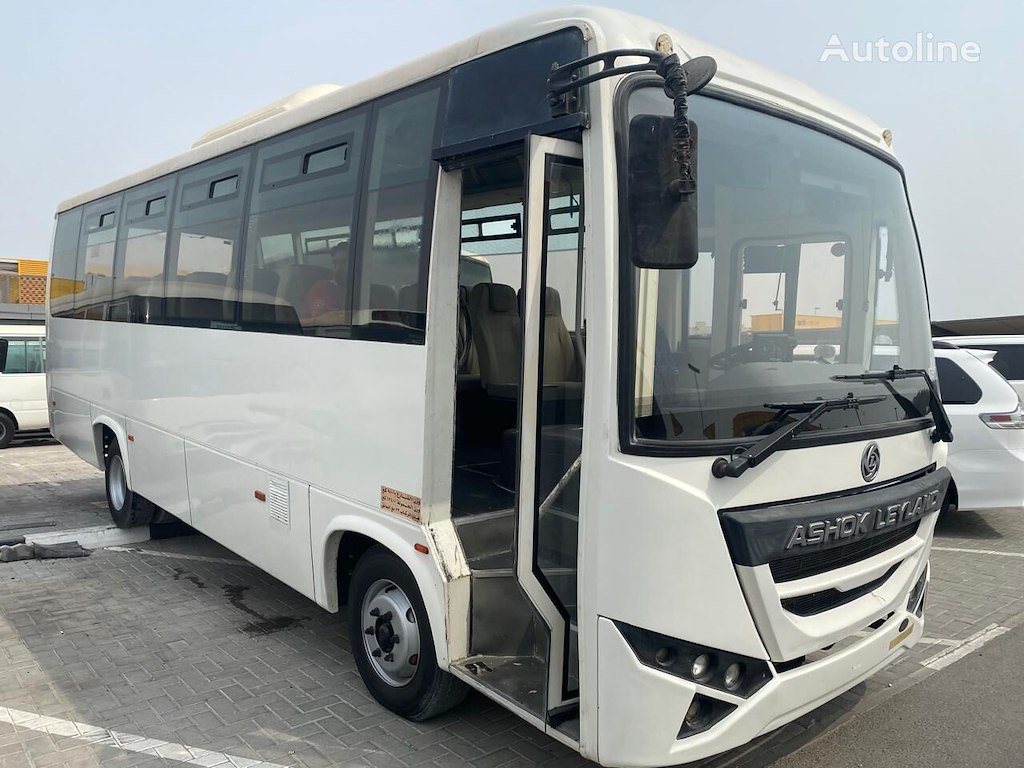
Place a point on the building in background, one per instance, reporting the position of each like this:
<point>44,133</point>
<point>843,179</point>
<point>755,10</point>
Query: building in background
<point>22,290</point>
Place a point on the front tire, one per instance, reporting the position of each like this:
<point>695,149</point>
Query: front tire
<point>6,430</point>
<point>127,508</point>
<point>392,642</point>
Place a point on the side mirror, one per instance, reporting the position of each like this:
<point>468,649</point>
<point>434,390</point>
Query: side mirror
<point>662,223</point>
<point>3,355</point>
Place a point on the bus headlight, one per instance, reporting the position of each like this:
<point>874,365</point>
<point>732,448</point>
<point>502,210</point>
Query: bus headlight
<point>724,671</point>
<point>701,666</point>
<point>733,676</point>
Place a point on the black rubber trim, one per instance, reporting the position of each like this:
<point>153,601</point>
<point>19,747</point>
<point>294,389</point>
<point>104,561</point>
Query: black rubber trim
<point>760,535</point>
<point>814,563</point>
<point>819,602</point>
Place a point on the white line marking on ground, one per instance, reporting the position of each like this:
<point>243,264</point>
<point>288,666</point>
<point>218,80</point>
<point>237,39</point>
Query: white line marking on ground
<point>938,641</point>
<point>968,646</point>
<point>176,556</point>
<point>979,551</point>
<point>94,734</point>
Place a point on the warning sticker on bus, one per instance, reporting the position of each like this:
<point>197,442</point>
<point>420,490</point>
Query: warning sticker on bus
<point>403,504</point>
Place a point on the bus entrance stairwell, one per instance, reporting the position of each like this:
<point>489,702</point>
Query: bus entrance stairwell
<point>519,424</point>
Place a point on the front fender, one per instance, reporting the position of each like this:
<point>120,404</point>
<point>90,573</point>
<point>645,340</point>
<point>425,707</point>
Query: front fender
<point>398,536</point>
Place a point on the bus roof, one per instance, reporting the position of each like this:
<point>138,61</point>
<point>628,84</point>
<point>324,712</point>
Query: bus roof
<point>611,29</point>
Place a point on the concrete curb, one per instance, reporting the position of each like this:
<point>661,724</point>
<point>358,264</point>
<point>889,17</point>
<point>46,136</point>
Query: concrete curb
<point>93,537</point>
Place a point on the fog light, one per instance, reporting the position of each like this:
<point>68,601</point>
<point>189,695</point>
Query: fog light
<point>665,656</point>
<point>695,714</point>
<point>703,713</point>
<point>733,676</point>
<point>701,666</point>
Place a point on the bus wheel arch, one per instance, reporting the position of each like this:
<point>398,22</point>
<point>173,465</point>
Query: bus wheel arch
<point>127,508</point>
<point>8,426</point>
<point>392,638</point>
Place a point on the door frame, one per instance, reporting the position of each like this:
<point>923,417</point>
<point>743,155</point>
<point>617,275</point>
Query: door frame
<point>538,150</point>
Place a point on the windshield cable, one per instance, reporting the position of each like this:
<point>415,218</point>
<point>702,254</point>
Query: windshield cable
<point>746,458</point>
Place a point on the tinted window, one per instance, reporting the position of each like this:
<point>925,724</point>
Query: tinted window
<point>26,356</point>
<point>391,296</point>
<point>1008,360</point>
<point>955,385</point>
<point>63,285</point>
<point>95,266</point>
<point>141,246</point>
<point>297,265</point>
<point>203,256</point>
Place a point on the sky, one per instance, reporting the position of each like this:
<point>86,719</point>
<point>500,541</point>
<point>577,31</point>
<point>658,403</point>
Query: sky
<point>94,91</point>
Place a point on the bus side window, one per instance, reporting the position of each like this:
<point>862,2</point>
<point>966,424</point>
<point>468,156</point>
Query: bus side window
<point>63,284</point>
<point>202,262</point>
<point>303,205</point>
<point>390,303</point>
<point>94,270</point>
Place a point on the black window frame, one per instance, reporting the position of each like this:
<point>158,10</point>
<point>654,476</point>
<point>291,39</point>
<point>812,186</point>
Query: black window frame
<point>629,442</point>
<point>181,197</point>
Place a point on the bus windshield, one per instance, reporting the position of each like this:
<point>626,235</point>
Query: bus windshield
<point>808,268</point>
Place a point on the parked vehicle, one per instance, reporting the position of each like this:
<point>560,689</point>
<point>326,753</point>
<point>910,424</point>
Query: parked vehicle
<point>1008,357</point>
<point>986,456</point>
<point>22,380</point>
<point>604,526</point>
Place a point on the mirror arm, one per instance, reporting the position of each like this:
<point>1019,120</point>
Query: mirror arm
<point>564,83</point>
<point>671,70</point>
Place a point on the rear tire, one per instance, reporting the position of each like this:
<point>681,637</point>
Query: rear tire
<point>401,673</point>
<point>127,509</point>
<point>6,430</point>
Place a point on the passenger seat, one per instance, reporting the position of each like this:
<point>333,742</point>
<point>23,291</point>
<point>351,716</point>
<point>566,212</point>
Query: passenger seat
<point>494,313</point>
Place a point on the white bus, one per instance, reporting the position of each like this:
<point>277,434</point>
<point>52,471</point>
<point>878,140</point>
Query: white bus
<point>22,380</point>
<point>457,347</point>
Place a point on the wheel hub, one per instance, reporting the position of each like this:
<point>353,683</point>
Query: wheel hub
<point>390,633</point>
<point>117,482</point>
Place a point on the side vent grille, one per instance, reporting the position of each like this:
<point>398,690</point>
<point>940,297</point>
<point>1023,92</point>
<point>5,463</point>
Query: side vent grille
<point>278,499</point>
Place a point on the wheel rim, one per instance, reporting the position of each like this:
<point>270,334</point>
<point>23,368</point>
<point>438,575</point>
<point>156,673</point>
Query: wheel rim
<point>117,484</point>
<point>391,636</point>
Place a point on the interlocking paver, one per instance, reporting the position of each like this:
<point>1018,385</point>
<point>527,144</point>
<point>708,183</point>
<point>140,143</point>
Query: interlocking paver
<point>153,646</point>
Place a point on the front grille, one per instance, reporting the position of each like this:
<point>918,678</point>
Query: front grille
<point>826,600</point>
<point>813,563</point>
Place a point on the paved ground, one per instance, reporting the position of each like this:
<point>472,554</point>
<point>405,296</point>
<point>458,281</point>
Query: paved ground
<point>177,648</point>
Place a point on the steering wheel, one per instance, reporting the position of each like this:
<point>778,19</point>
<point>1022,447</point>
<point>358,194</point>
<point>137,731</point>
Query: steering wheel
<point>465,330</point>
<point>730,358</point>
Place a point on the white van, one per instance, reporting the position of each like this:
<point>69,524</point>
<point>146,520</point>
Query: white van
<point>22,380</point>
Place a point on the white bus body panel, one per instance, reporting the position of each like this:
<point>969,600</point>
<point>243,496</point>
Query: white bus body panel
<point>157,460</point>
<point>237,408</point>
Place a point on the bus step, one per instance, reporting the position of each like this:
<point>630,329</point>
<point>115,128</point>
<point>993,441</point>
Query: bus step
<point>520,679</point>
<point>487,535</point>
<point>503,621</point>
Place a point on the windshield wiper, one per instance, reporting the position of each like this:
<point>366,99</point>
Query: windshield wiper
<point>943,429</point>
<point>751,457</point>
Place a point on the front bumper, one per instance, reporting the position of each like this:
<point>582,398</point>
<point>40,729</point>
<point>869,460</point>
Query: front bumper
<point>641,709</point>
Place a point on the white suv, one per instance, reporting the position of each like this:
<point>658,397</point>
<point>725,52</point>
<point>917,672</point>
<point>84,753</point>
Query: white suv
<point>986,456</point>
<point>1008,359</point>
